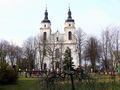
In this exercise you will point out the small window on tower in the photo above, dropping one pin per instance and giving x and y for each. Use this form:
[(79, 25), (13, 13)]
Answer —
[(45, 25), (57, 39), (69, 24)]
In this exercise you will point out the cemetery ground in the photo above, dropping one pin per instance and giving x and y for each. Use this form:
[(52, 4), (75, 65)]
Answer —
[(97, 82)]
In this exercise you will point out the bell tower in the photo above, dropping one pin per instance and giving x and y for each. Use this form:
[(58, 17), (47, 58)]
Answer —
[(45, 29), (69, 28)]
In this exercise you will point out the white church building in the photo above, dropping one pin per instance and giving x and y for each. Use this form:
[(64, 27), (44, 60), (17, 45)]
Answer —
[(58, 42)]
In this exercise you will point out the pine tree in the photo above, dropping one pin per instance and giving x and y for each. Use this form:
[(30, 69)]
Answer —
[(67, 63)]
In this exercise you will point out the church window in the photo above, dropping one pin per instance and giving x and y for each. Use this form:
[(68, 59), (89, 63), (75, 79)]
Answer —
[(56, 38), (45, 36), (57, 53), (57, 65), (69, 35), (45, 25)]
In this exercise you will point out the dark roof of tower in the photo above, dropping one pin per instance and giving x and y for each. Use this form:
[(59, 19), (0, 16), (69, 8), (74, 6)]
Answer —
[(69, 19), (46, 20)]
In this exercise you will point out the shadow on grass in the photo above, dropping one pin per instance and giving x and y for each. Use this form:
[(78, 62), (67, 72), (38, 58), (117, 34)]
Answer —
[(22, 84)]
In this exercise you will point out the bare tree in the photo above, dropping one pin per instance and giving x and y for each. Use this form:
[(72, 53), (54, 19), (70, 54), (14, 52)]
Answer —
[(12, 54), (61, 53), (92, 51), (51, 47), (54, 49), (19, 56), (41, 48), (80, 44), (110, 46), (30, 52), (105, 44), (3, 50), (116, 31)]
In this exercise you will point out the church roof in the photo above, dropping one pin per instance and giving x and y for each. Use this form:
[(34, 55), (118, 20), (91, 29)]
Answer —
[(69, 20), (46, 21)]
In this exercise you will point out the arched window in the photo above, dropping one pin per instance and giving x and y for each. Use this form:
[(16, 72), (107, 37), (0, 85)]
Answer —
[(45, 66), (69, 25), (45, 36), (57, 65), (57, 53), (56, 38), (69, 35)]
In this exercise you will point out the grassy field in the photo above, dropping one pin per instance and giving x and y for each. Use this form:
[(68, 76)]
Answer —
[(98, 83)]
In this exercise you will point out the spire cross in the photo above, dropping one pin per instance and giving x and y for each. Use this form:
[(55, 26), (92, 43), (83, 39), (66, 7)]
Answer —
[(46, 6), (69, 6)]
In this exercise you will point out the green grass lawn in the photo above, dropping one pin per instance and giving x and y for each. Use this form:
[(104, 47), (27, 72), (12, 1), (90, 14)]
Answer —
[(101, 83)]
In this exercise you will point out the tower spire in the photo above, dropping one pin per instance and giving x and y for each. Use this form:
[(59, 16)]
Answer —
[(46, 16), (69, 13), (69, 19)]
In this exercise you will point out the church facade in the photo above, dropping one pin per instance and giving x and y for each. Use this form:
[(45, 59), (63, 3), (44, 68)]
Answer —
[(56, 43)]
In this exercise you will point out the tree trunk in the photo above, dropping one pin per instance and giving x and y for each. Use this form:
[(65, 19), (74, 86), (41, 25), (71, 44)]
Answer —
[(72, 82)]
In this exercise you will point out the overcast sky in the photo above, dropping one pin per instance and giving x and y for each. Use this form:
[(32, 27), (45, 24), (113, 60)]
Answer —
[(20, 19)]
